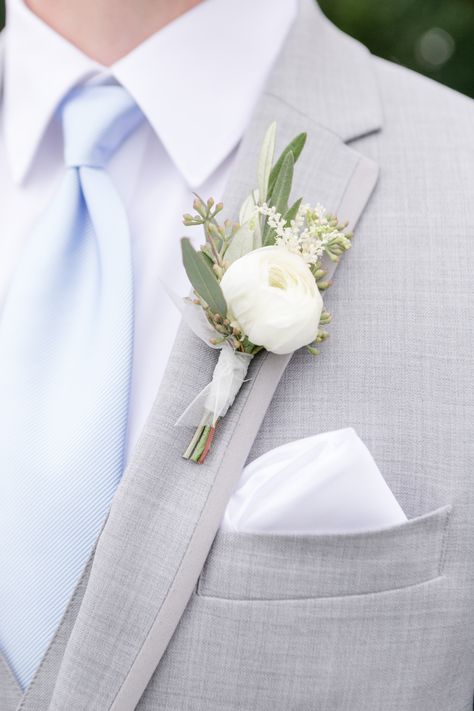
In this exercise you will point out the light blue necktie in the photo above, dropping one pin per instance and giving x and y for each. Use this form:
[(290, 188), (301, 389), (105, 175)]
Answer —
[(66, 337)]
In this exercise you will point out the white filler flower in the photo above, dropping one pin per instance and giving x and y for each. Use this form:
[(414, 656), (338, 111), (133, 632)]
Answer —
[(273, 297)]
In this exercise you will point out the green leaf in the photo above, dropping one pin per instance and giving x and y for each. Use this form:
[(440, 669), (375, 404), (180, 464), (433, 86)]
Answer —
[(242, 243), (295, 147), (293, 211), (282, 189), (281, 193), (265, 161), (203, 278), (248, 207)]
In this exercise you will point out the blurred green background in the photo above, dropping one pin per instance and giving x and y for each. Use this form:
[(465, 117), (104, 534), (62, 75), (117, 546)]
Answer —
[(434, 37)]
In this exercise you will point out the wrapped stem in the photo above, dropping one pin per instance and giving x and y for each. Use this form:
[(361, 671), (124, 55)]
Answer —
[(200, 444), (214, 401)]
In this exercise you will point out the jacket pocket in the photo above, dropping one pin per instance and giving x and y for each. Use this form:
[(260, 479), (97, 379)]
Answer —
[(246, 566)]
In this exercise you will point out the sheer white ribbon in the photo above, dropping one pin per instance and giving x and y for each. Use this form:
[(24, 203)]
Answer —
[(229, 374), (215, 399)]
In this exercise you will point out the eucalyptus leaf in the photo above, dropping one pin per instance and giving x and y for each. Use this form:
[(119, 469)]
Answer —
[(203, 278), (266, 160), (242, 242), (248, 207), (295, 147)]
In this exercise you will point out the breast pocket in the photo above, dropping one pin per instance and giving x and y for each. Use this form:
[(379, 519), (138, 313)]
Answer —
[(245, 566)]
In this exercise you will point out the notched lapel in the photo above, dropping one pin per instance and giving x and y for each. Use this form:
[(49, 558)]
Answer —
[(167, 510)]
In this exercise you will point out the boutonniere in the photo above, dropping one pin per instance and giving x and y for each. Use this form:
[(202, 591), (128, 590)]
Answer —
[(257, 283)]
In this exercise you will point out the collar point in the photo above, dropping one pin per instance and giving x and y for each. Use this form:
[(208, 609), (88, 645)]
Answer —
[(196, 170)]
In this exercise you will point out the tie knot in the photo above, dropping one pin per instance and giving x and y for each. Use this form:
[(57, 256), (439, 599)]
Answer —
[(96, 120)]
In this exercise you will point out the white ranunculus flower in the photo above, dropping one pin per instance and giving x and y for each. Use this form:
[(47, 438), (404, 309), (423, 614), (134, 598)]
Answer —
[(274, 299)]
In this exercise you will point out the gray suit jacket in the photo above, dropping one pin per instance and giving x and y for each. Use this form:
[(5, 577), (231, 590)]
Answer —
[(170, 615)]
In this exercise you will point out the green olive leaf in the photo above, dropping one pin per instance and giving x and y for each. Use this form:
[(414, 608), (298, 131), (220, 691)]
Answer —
[(293, 211), (280, 195), (295, 147), (242, 242), (265, 161), (203, 278)]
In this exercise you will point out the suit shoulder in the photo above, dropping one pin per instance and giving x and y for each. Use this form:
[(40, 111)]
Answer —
[(414, 98)]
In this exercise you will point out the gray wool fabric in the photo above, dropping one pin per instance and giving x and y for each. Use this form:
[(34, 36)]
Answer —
[(173, 616)]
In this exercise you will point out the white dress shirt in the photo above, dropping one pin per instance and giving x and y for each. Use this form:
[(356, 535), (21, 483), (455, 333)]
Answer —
[(187, 143)]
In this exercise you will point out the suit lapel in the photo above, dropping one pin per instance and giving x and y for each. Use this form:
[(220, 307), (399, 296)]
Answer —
[(166, 511), (10, 692)]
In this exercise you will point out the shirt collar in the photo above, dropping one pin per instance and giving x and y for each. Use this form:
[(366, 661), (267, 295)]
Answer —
[(40, 67), (196, 81)]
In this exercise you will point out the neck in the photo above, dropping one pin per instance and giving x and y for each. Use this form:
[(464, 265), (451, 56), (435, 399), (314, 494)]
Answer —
[(107, 30)]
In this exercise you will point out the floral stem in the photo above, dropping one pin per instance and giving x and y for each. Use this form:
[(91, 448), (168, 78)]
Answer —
[(196, 437), (207, 446), (212, 244), (201, 445)]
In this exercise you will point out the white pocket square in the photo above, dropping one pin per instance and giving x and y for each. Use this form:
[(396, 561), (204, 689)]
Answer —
[(325, 484)]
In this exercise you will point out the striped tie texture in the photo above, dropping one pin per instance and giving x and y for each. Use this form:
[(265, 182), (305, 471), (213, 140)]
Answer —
[(66, 337)]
